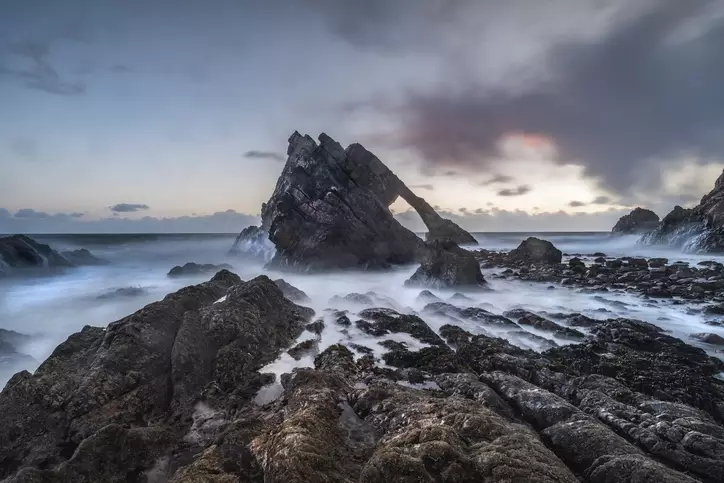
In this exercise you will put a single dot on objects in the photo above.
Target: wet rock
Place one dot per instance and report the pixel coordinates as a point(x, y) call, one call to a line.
point(305, 348)
point(385, 321)
point(426, 297)
point(122, 292)
point(316, 327)
point(536, 250)
point(709, 338)
point(474, 314)
point(446, 265)
point(291, 292)
point(82, 257)
point(252, 242)
point(191, 269)
point(352, 298)
point(640, 220)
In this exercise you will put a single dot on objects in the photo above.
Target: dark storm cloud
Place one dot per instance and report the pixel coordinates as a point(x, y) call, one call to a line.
point(253, 154)
point(601, 200)
point(128, 207)
point(31, 66)
point(648, 91)
point(519, 191)
point(497, 179)
point(576, 204)
point(31, 214)
point(428, 187)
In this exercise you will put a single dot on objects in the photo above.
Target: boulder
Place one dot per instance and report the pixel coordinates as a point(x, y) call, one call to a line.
point(535, 250)
point(446, 265)
point(330, 210)
point(640, 220)
point(191, 269)
point(253, 242)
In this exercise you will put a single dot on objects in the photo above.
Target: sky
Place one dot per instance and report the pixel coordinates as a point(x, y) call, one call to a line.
point(525, 115)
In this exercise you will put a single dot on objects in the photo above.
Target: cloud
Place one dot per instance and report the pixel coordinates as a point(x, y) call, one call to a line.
point(36, 71)
point(576, 204)
point(618, 103)
point(519, 191)
point(121, 69)
point(601, 200)
point(228, 221)
point(428, 187)
point(264, 155)
point(497, 179)
point(30, 213)
point(128, 207)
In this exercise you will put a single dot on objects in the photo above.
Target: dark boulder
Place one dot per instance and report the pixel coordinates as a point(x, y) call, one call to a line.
point(535, 250)
point(191, 269)
point(640, 220)
point(446, 265)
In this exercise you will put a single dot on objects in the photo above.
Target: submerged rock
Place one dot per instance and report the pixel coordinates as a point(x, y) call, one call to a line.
point(640, 220)
point(447, 265)
point(191, 269)
point(330, 210)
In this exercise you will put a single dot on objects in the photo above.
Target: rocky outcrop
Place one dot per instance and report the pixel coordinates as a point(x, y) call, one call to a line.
point(168, 394)
point(142, 379)
point(22, 252)
point(700, 228)
point(291, 292)
point(446, 265)
point(82, 257)
point(535, 250)
point(640, 220)
point(330, 209)
point(191, 269)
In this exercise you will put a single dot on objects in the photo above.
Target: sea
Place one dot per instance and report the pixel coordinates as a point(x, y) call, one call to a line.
point(50, 308)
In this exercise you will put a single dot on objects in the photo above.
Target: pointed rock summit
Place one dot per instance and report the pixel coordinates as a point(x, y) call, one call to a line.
point(330, 209)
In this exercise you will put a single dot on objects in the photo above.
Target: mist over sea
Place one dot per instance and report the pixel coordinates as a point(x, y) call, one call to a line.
point(50, 308)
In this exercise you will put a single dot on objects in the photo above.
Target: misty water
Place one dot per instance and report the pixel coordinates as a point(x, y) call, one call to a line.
point(53, 307)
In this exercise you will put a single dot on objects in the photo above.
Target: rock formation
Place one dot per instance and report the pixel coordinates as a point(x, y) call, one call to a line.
point(168, 394)
point(639, 221)
point(22, 252)
point(700, 228)
point(446, 265)
point(330, 209)
point(191, 269)
point(82, 256)
point(535, 250)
